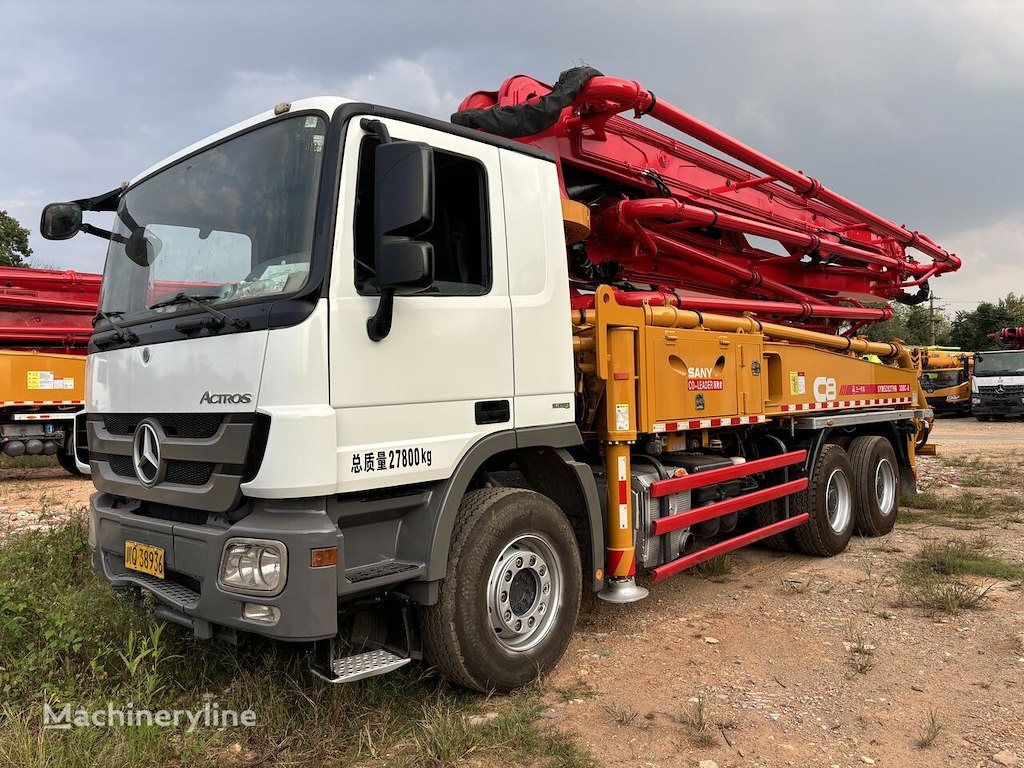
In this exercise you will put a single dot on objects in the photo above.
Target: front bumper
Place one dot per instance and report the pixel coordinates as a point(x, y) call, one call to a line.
point(998, 409)
point(190, 594)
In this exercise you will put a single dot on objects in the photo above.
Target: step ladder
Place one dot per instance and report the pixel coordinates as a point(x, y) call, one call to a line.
point(348, 669)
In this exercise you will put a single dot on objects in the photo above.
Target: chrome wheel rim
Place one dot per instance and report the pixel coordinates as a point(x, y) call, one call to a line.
point(524, 592)
point(885, 487)
point(838, 504)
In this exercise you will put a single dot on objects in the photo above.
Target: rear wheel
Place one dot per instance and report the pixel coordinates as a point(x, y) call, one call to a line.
point(508, 603)
point(828, 500)
point(876, 485)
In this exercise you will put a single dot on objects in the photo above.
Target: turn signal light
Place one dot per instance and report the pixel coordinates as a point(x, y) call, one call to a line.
point(323, 557)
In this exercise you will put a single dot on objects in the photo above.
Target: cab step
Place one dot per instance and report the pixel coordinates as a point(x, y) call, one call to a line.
point(348, 669)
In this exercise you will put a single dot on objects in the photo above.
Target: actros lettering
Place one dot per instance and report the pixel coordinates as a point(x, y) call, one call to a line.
point(221, 398)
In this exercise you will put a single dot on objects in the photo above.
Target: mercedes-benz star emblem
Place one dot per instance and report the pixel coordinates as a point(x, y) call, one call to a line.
point(149, 467)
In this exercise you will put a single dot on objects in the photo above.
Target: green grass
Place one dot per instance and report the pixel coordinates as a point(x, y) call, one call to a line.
point(67, 638)
point(923, 500)
point(966, 558)
point(963, 511)
point(715, 569)
point(938, 577)
point(27, 462)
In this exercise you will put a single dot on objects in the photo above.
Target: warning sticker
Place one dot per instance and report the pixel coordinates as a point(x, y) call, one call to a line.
point(622, 417)
point(797, 383)
point(46, 380)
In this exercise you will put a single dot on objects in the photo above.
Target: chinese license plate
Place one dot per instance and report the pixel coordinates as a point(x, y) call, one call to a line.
point(144, 558)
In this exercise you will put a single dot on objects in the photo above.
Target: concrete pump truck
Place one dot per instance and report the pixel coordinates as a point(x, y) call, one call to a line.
point(405, 388)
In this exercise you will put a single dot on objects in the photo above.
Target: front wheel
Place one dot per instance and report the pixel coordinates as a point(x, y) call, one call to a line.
point(508, 603)
point(828, 500)
point(980, 417)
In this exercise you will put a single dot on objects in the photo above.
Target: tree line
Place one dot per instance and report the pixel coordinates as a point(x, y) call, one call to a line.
point(14, 250)
point(968, 329)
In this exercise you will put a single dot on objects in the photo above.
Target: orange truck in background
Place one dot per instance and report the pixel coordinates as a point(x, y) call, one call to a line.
point(45, 325)
point(946, 378)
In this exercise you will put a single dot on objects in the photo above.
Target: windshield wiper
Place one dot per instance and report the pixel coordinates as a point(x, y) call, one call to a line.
point(219, 317)
point(121, 335)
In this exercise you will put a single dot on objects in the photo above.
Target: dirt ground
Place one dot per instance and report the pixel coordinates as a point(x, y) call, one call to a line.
point(763, 657)
point(760, 667)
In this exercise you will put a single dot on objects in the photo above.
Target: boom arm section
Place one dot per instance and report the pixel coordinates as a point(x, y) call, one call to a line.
point(665, 214)
point(1011, 338)
point(47, 309)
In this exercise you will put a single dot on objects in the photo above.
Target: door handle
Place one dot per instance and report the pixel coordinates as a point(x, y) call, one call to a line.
point(492, 412)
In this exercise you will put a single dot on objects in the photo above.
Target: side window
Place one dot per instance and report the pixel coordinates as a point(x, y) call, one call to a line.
point(462, 250)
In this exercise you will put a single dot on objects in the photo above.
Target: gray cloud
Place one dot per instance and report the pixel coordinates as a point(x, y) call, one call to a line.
point(913, 109)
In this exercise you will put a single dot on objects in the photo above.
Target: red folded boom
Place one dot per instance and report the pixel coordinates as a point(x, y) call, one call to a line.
point(673, 218)
point(47, 309)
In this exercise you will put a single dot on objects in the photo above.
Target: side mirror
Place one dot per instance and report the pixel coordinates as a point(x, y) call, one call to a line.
point(403, 210)
point(405, 266)
point(403, 189)
point(142, 247)
point(60, 221)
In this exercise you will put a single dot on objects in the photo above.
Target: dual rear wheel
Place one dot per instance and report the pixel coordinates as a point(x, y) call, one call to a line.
point(848, 491)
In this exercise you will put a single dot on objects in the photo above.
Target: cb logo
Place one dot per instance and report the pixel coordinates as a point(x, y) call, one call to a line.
point(825, 389)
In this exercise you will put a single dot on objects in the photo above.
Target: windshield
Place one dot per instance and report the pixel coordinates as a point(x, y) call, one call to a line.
point(231, 224)
point(999, 364)
point(932, 380)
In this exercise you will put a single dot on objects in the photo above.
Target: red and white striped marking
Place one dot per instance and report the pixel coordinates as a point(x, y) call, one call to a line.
point(623, 494)
point(40, 402)
point(735, 421)
point(845, 404)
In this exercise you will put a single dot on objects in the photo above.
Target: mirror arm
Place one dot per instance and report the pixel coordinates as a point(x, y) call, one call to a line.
point(379, 326)
point(377, 127)
point(89, 229)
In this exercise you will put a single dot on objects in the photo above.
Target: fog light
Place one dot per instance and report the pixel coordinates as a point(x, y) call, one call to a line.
point(975, 401)
point(253, 566)
point(265, 614)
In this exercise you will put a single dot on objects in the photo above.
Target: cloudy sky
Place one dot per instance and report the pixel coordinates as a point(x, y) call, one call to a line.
point(914, 109)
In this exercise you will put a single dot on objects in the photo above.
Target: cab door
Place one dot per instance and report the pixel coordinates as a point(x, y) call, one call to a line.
point(410, 406)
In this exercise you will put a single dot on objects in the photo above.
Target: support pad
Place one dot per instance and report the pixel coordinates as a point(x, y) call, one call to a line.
point(622, 591)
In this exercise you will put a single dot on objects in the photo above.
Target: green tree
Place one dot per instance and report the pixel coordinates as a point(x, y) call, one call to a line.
point(14, 250)
point(912, 325)
point(971, 328)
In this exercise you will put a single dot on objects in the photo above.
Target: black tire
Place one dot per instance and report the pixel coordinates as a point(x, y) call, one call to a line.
point(830, 490)
point(986, 417)
point(497, 532)
point(67, 462)
point(771, 512)
point(876, 485)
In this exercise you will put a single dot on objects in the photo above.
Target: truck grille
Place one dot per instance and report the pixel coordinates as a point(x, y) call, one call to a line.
point(1007, 389)
point(206, 456)
point(196, 426)
point(181, 472)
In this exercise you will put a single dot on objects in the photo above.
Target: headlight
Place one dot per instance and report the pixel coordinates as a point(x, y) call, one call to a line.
point(975, 401)
point(254, 566)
